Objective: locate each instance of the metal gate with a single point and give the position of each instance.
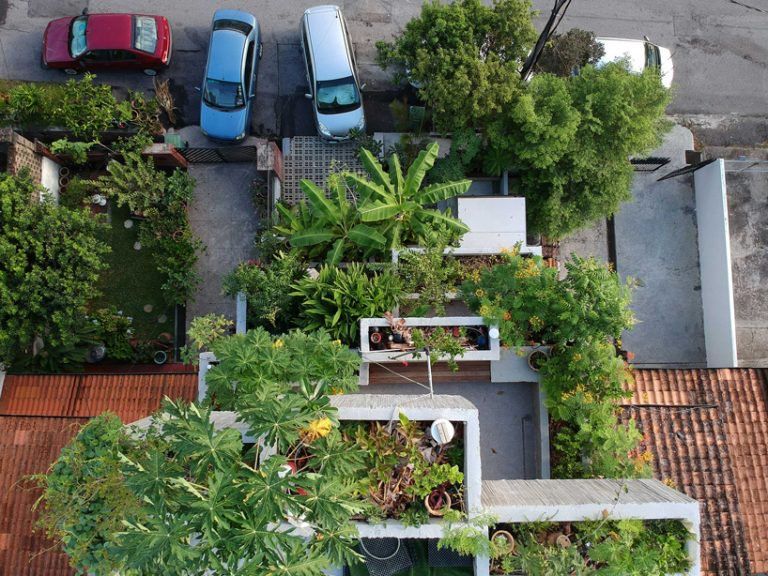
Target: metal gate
(227, 154)
(650, 164)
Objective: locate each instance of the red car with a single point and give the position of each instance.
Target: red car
(107, 42)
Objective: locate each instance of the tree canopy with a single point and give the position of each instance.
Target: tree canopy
(566, 139)
(50, 259)
(187, 497)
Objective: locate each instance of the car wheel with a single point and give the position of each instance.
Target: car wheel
(70, 71)
(43, 65)
(150, 71)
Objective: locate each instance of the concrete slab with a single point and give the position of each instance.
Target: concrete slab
(656, 243)
(223, 216)
(748, 215)
(587, 242)
(507, 412)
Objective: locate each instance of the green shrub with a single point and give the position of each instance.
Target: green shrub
(338, 298)
(115, 331)
(268, 290)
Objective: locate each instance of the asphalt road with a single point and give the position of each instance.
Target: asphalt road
(720, 48)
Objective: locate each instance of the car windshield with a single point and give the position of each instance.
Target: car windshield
(145, 34)
(652, 56)
(223, 94)
(77, 43)
(334, 96)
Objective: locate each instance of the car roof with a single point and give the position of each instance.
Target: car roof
(222, 63)
(328, 43)
(619, 48)
(109, 31)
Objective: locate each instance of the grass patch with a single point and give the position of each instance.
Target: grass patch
(132, 280)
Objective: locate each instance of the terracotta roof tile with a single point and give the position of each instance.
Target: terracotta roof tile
(709, 434)
(39, 414)
(130, 396)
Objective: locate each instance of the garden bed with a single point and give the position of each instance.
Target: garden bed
(132, 283)
(453, 338)
(611, 546)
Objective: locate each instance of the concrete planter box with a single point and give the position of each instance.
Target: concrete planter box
(384, 355)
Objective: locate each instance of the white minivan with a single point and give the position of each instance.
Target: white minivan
(334, 87)
(641, 54)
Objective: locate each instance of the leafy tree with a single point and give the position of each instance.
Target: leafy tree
(465, 56)
(565, 54)
(50, 259)
(621, 115)
(200, 502)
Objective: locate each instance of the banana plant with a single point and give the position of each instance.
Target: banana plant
(400, 204)
(329, 226)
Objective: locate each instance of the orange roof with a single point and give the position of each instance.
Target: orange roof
(130, 396)
(708, 431)
(39, 414)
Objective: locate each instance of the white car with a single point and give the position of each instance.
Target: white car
(331, 73)
(641, 54)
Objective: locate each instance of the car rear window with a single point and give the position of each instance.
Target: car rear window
(77, 44)
(145, 34)
(236, 25)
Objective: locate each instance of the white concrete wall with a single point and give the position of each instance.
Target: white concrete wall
(715, 265)
(50, 177)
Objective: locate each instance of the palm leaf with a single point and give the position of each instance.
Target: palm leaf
(439, 217)
(336, 253)
(365, 188)
(375, 169)
(418, 170)
(396, 173)
(311, 237)
(437, 192)
(318, 200)
(377, 211)
(367, 237)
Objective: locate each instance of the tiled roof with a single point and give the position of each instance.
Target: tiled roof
(708, 431)
(39, 414)
(28, 445)
(130, 396)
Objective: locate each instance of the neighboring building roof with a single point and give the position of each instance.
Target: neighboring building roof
(39, 414)
(708, 431)
(130, 396)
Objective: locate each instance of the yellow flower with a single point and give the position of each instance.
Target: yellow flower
(336, 391)
(337, 342)
(536, 322)
(577, 357)
(507, 315)
(319, 428)
(479, 293)
(278, 343)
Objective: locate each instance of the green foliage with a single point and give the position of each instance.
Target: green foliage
(252, 364)
(621, 115)
(338, 298)
(330, 227)
(76, 195)
(268, 290)
(469, 538)
(390, 210)
(442, 345)
(24, 104)
(430, 274)
(50, 259)
(565, 54)
(204, 331)
(84, 497)
(114, 330)
(465, 56)
(77, 150)
(429, 477)
(163, 200)
(87, 109)
(398, 204)
(528, 301)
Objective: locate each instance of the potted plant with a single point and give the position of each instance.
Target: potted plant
(505, 541)
(536, 359)
(438, 502)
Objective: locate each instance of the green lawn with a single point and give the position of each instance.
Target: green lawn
(132, 281)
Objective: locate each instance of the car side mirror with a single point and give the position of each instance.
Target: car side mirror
(362, 86)
(308, 96)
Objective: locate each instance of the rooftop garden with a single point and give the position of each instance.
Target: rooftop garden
(132, 250)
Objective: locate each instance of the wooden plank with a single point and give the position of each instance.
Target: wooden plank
(468, 372)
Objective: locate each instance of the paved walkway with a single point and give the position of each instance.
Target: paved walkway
(223, 216)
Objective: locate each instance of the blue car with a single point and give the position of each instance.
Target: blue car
(229, 85)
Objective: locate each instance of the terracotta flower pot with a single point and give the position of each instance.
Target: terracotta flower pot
(511, 545)
(438, 502)
(536, 358)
